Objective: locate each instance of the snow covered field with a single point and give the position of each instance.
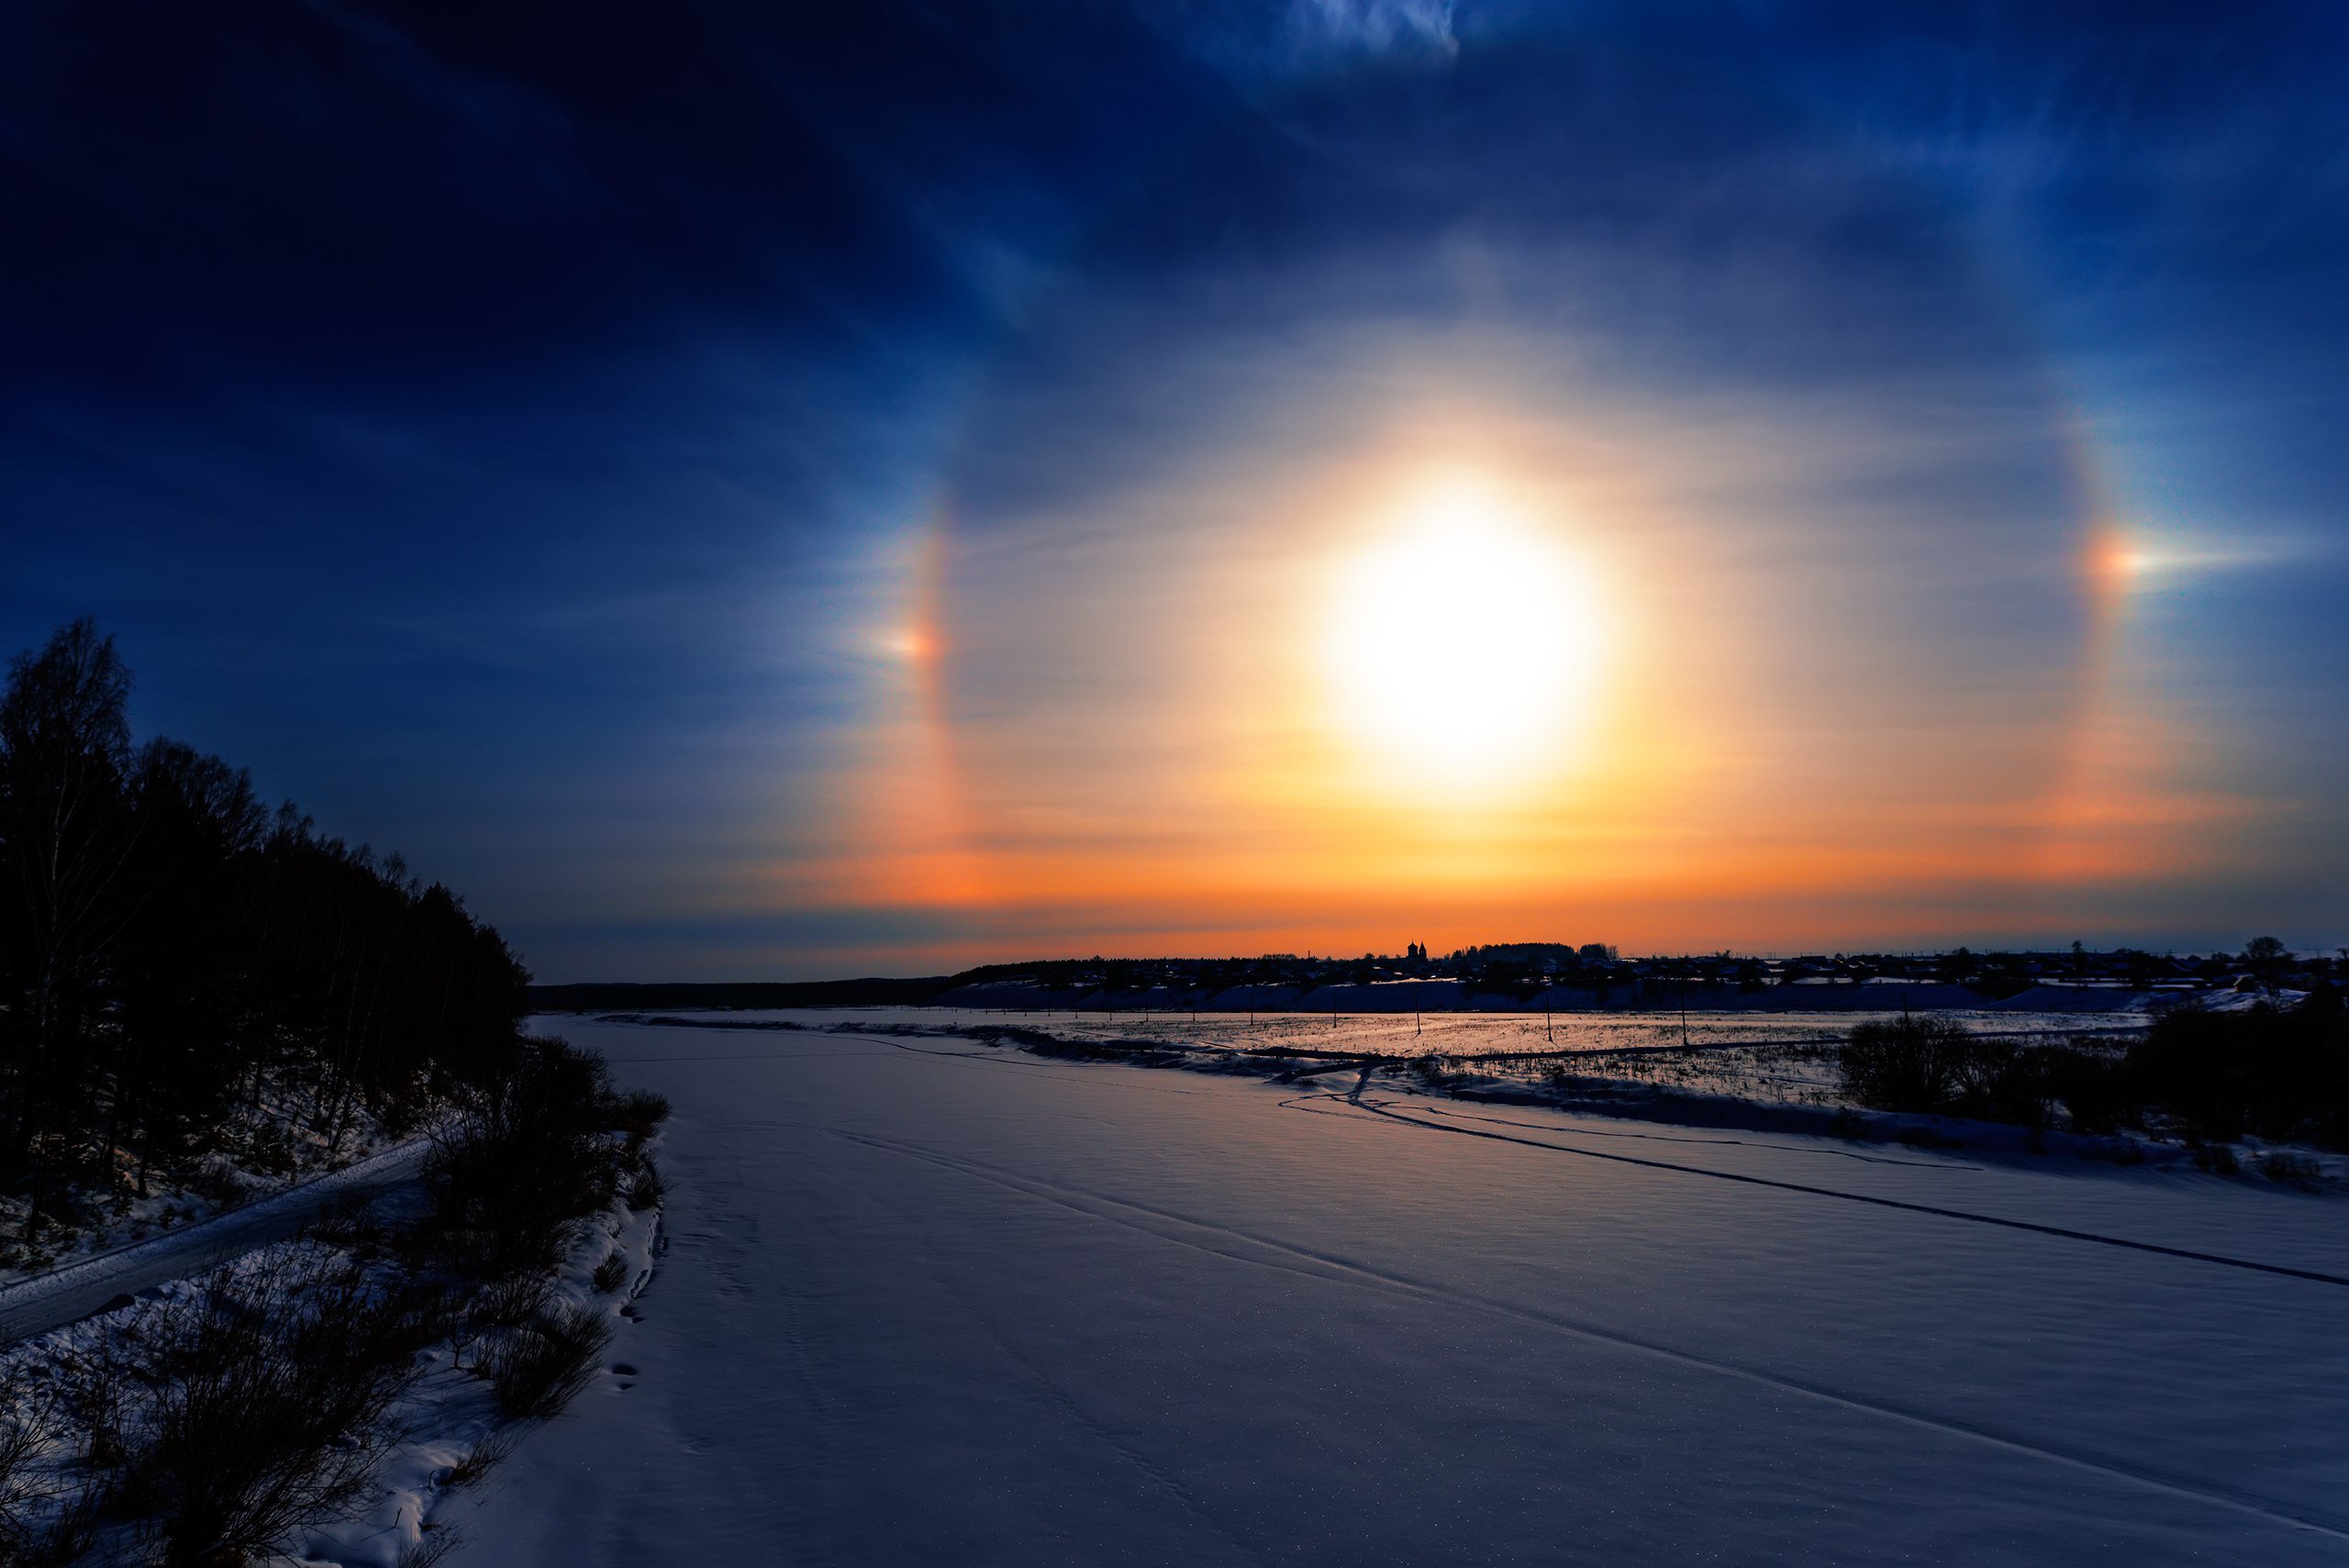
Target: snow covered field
(934, 1302)
(1402, 1034)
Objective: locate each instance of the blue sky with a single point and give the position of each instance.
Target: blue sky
(791, 490)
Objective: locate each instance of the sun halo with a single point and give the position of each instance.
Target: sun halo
(1464, 644)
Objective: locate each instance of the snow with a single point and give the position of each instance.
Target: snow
(934, 1301)
(440, 1423)
(268, 1148)
(46, 1301)
(1388, 1033)
(453, 1414)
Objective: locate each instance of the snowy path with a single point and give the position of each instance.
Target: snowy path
(934, 1303)
(48, 1301)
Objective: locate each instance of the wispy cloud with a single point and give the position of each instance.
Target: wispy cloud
(1376, 25)
(529, 140)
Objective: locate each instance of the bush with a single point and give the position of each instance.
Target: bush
(533, 1154)
(2001, 1080)
(264, 1407)
(647, 1186)
(510, 1303)
(351, 1221)
(2094, 1089)
(2284, 1075)
(611, 1274)
(539, 1368)
(33, 1490)
(494, 1449)
(1915, 1063)
(2279, 1166)
(438, 1543)
(638, 1113)
(1931, 1063)
(2218, 1159)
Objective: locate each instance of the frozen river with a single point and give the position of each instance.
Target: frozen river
(929, 1302)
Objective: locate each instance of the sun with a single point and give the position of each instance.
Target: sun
(1463, 642)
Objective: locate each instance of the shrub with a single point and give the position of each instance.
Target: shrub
(2279, 1166)
(529, 1156)
(638, 1113)
(541, 1367)
(2218, 1159)
(1916, 1063)
(264, 1407)
(34, 1491)
(2093, 1088)
(611, 1274)
(2001, 1080)
(510, 1303)
(349, 1220)
(2282, 1075)
(436, 1543)
(647, 1186)
(484, 1456)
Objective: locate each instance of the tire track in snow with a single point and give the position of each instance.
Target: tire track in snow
(1165, 1480)
(1711, 1143)
(1354, 1098)
(2066, 1232)
(823, 1444)
(1335, 1268)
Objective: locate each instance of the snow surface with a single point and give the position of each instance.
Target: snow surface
(451, 1419)
(74, 1290)
(269, 1148)
(930, 1301)
(444, 1423)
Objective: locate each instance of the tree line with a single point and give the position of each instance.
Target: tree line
(175, 954)
(2279, 1073)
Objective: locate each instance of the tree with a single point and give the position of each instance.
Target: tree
(173, 957)
(1905, 1064)
(185, 974)
(2267, 956)
(65, 750)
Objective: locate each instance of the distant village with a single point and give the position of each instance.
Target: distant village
(1565, 977)
(1545, 976)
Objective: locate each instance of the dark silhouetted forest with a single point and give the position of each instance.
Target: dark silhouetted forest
(175, 954)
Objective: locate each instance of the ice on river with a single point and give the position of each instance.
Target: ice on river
(931, 1302)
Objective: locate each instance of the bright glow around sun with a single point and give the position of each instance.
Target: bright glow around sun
(1464, 642)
